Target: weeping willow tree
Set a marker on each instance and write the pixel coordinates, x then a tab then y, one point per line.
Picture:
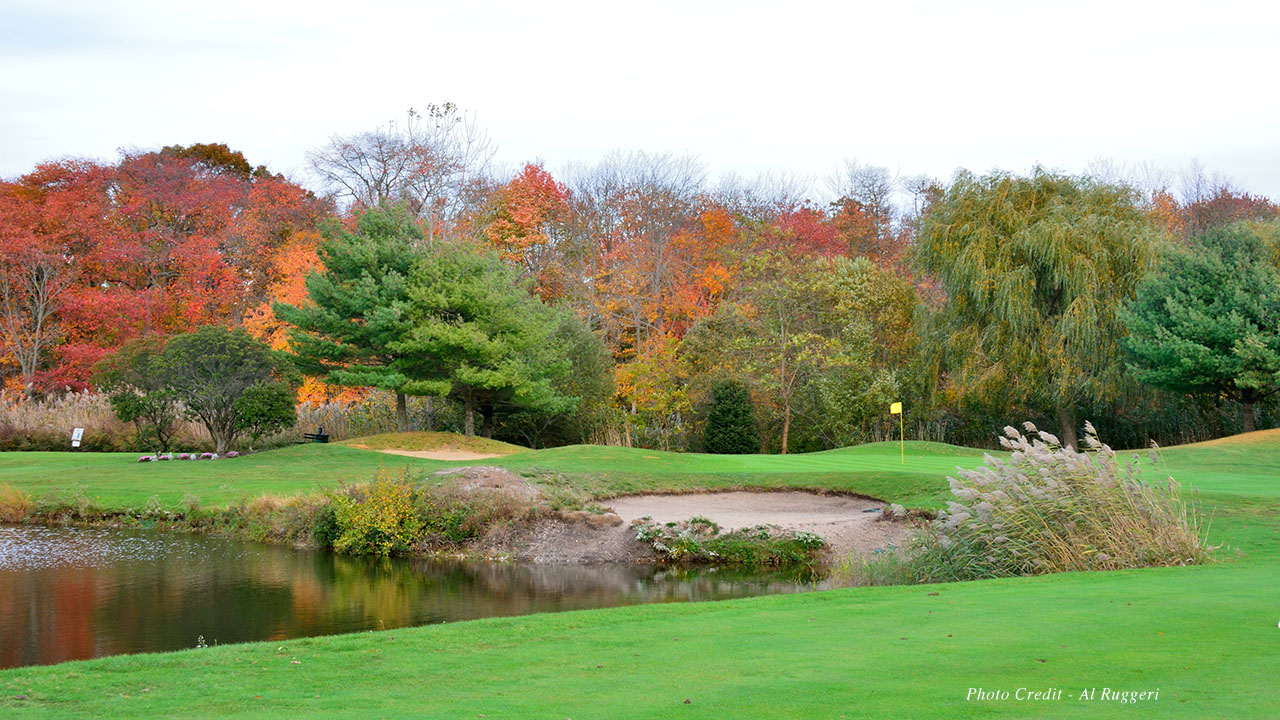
1035	269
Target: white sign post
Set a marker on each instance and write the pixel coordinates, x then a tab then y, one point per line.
76	436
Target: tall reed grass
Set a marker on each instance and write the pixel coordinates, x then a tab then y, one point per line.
1045	509
46	424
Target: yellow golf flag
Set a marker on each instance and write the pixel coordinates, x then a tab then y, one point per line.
896	409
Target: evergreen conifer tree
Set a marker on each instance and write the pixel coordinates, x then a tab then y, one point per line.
731	426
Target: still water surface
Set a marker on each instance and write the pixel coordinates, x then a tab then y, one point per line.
73	593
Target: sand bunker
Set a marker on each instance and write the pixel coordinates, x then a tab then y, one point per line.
848	524
443	454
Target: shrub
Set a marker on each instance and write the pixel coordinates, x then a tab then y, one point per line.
265	409
377	519
134	377
700	541
1049	508
324	529
15	505
731	426
398	514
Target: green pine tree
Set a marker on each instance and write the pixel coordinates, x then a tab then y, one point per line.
477	334
1208	321
357	309
731	425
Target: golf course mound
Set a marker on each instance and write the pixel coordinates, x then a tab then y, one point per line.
1257	437
430	445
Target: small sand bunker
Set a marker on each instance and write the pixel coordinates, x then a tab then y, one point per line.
442	454
848	524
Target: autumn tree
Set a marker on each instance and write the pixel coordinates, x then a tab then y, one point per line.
525	221
48	219
356	312
626	211
161	242
863	210
1035	270
774	332
425	163
33	282
802	229
1207	322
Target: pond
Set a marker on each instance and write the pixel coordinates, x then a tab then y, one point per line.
70	593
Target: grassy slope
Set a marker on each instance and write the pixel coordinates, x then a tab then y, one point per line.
427	440
1206	637
116	480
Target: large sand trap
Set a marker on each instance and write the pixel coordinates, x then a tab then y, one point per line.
443	454
847	524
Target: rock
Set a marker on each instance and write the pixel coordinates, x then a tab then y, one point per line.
894	513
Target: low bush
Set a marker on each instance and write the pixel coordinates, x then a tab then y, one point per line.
15	505
701	541
1045	509
378	518
400	514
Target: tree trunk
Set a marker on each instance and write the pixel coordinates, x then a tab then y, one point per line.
486	424
786	425
627	424
471	413
1249	421
431	413
1067	425
402	413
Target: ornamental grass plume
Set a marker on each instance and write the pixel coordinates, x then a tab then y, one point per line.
1049	508
1044	509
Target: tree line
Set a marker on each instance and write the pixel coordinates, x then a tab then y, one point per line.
607	304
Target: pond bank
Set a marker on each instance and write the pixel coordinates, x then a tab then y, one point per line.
74	593
484	512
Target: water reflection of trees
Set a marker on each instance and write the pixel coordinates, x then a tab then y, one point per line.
190	586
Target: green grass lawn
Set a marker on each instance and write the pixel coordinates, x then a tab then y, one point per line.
1205	638
117	480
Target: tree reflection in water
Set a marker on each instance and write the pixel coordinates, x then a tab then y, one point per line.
72	593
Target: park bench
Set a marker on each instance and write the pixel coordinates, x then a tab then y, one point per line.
319	436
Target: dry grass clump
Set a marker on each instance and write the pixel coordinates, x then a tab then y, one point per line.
46	424
15	505
1047	509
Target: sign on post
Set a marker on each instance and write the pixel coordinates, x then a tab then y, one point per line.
76	436
896	409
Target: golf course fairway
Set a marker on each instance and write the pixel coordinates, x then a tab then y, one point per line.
1200	642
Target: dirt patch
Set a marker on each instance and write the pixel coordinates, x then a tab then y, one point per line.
443	454
577	537
486	478
848	524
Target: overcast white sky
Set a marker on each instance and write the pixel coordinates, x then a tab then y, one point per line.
919	87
